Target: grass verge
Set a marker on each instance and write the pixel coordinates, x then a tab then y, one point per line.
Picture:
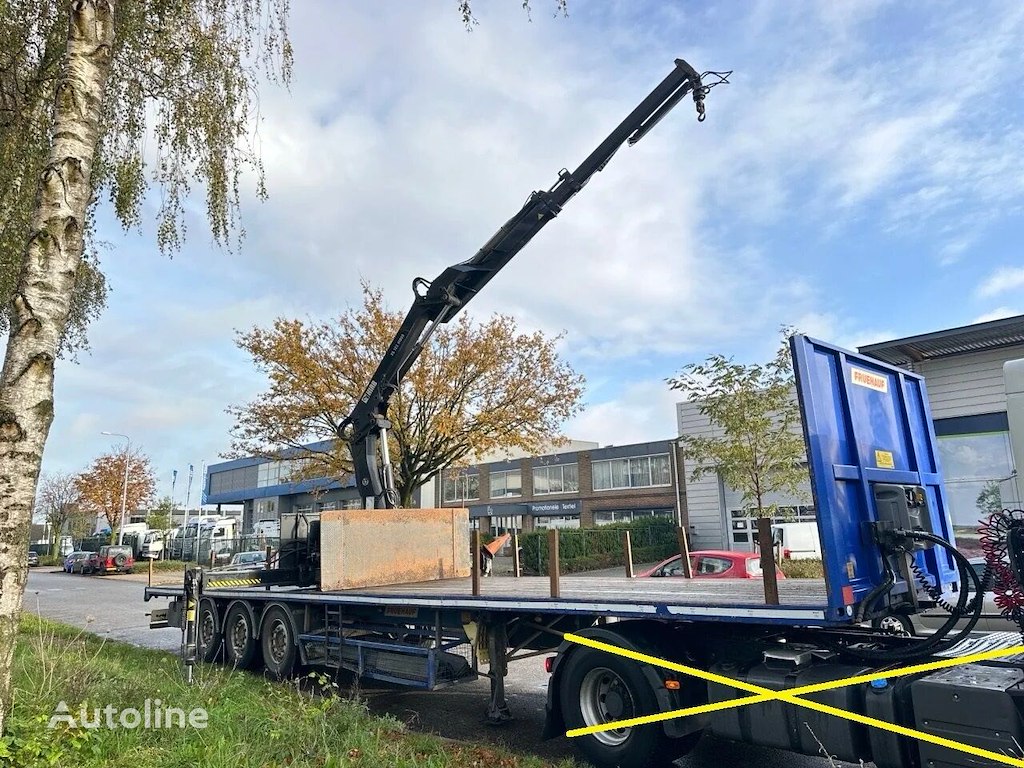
251	722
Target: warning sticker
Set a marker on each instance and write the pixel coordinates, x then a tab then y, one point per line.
868	379
883	460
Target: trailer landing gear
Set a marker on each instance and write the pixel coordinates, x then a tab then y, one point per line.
498	712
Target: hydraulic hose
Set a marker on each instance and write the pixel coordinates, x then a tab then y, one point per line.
935	643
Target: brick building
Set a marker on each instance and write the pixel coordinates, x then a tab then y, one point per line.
572	489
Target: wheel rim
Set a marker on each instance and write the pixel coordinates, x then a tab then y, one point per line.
239	637
605	698
207	629
893	625
278	641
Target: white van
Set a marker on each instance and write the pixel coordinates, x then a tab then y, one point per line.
153	544
798	541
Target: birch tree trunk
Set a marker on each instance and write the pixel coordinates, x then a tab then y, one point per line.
42	300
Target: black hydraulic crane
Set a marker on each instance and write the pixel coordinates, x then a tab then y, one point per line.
439	301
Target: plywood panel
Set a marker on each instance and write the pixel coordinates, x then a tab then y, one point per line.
377	547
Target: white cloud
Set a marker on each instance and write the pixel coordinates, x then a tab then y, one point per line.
406	142
996	314
1002	280
644	410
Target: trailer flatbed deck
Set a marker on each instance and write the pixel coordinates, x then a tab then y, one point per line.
802	601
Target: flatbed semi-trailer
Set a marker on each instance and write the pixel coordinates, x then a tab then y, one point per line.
438	633
887	548
802	601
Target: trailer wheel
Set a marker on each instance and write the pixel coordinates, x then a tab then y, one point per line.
895	624
278	642
208	631
601	688
239	637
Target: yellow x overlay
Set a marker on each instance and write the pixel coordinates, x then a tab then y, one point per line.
792	696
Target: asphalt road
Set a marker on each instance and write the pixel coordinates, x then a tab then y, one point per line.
112	606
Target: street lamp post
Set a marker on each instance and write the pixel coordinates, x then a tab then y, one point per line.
124	490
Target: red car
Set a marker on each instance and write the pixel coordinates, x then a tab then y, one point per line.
714	564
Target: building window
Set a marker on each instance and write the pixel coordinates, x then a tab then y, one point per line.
504	484
230	480
266	509
744	521
563	478
557	521
608	516
461	486
973	466
634	472
279	472
506	523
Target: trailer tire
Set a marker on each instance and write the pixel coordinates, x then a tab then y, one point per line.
279	643
240	637
601	688
895	624
209	637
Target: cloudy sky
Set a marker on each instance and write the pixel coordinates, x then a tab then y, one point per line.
861	178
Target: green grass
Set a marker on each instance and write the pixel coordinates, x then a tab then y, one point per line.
252	722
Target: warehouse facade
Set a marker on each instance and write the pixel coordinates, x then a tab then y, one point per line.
963	371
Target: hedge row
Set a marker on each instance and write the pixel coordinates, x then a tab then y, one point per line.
589	549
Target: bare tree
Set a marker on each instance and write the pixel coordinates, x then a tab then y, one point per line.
58	500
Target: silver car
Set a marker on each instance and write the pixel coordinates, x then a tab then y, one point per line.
991	619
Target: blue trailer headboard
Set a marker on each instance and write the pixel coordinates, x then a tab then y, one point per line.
866	424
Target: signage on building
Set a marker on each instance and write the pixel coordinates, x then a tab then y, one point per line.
497	510
542	508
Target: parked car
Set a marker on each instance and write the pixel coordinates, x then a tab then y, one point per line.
713	564
88	563
992	620
248	559
115	558
74	557
33	558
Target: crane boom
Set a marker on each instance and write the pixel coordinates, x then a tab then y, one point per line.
439	301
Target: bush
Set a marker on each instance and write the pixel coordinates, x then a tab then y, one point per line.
588	549
803	569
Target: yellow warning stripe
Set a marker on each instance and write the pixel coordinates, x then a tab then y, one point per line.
232	583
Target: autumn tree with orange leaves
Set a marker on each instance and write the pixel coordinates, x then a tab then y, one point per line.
475	388
100	487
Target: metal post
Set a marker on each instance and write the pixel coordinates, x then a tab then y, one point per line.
476	561
498	711
627	549
517	570
193	594
150	581
266	563
765	544
684	551
553	560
